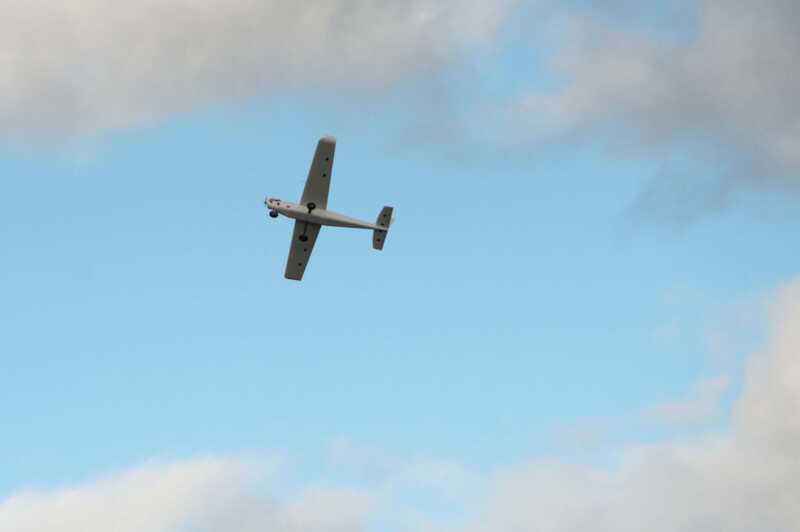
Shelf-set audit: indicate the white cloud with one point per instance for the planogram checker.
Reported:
(582, 436)
(211, 495)
(89, 66)
(722, 95)
(703, 406)
(745, 479)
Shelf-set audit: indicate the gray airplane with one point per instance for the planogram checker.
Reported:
(312, 213)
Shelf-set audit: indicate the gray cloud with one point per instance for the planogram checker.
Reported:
(716, 102)
(85, 67)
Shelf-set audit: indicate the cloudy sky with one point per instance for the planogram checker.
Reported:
(586, 315)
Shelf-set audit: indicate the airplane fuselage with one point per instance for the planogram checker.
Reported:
(316, 215)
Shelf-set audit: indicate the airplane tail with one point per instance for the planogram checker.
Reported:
(379, 235)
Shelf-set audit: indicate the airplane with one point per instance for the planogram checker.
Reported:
(311, 213)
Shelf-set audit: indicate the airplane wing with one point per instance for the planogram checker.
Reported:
(299, 251)
(319, 176)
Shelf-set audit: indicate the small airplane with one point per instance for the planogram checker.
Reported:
(311, 213)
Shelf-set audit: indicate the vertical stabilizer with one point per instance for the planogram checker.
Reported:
(379, 235)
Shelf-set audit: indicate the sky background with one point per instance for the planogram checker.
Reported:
(585, 306)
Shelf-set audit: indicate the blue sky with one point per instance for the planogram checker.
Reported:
(532, 302)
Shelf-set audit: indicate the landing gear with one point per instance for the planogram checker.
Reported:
(273, 214)
(311, 207)
(303, 237)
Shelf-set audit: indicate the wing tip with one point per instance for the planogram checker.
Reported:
(293, 276)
